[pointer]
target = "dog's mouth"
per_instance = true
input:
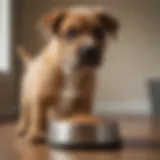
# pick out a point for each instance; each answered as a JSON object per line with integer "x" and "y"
{"x": 90, "y": 56}
{"x": 93, "y": 61}
{"x": 90, "y": 64}
{"x": 90, "y": 61}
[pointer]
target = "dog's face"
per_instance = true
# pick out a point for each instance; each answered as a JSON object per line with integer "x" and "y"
{"x": 81, "y": 35}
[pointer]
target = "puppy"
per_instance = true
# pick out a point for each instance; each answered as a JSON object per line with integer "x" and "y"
{"x": 63, "y": 75}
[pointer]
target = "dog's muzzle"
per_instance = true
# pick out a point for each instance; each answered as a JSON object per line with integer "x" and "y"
{"x": 90, "y": 55}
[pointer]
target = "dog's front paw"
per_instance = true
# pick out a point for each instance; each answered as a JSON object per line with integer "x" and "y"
{"x": 35, "y": 137}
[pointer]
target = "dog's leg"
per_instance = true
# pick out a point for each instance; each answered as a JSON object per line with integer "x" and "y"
{"x": 83, "y": 106}
{"x": 37, "y": 130}
{"x": 84, "y": 102}
{"x": 24, "y": 120}
{"x": 87, "y": 105}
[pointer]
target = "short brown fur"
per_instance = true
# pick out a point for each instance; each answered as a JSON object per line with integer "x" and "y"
{"x": 49, "y": 79}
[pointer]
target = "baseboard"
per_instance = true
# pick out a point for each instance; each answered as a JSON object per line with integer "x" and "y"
{"x": 132, "y": 107}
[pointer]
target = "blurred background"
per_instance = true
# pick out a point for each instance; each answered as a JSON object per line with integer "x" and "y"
{"x": 128, "y": 84}
{"x": 129, "y": 81}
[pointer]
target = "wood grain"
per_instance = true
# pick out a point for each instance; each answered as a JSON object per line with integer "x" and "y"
{"x": 12, "y": 148}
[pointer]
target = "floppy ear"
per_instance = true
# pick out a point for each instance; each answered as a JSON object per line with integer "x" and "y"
{"x": 50, "y": 23}
{"x": 110, "y": 24}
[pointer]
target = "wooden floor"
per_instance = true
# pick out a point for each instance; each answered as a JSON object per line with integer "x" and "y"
{"x": 132, "y": 129}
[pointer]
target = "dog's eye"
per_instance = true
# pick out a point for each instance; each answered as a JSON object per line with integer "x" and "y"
{"x": 98, "y": 32}
{"x": 72, "y": 33}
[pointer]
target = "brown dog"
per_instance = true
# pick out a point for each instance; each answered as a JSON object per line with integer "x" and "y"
{"x": 63, "y": 74}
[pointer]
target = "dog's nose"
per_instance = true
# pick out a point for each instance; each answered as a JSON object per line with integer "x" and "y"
{"x": 90, "y": 55}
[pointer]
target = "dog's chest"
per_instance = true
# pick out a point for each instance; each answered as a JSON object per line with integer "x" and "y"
{"x": 69, "y": 92}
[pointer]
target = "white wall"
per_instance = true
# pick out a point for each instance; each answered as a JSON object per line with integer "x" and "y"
{"x": 133, "y": 60}
{"x": 5, "y": 35}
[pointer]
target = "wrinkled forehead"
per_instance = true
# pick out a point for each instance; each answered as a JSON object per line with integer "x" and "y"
{"x": 80, "y": 19}
{"x": 85, "y": 10}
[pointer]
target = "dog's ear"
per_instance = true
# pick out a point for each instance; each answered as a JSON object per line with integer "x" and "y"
{"x": 51, "y": 22}
{"x": 110, "y": 23}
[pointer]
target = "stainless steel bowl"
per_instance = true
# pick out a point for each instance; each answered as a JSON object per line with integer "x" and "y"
{"x": 69, "y": 134}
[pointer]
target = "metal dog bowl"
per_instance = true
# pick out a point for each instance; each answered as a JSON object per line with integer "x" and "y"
{"x": 83, "y": 134}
